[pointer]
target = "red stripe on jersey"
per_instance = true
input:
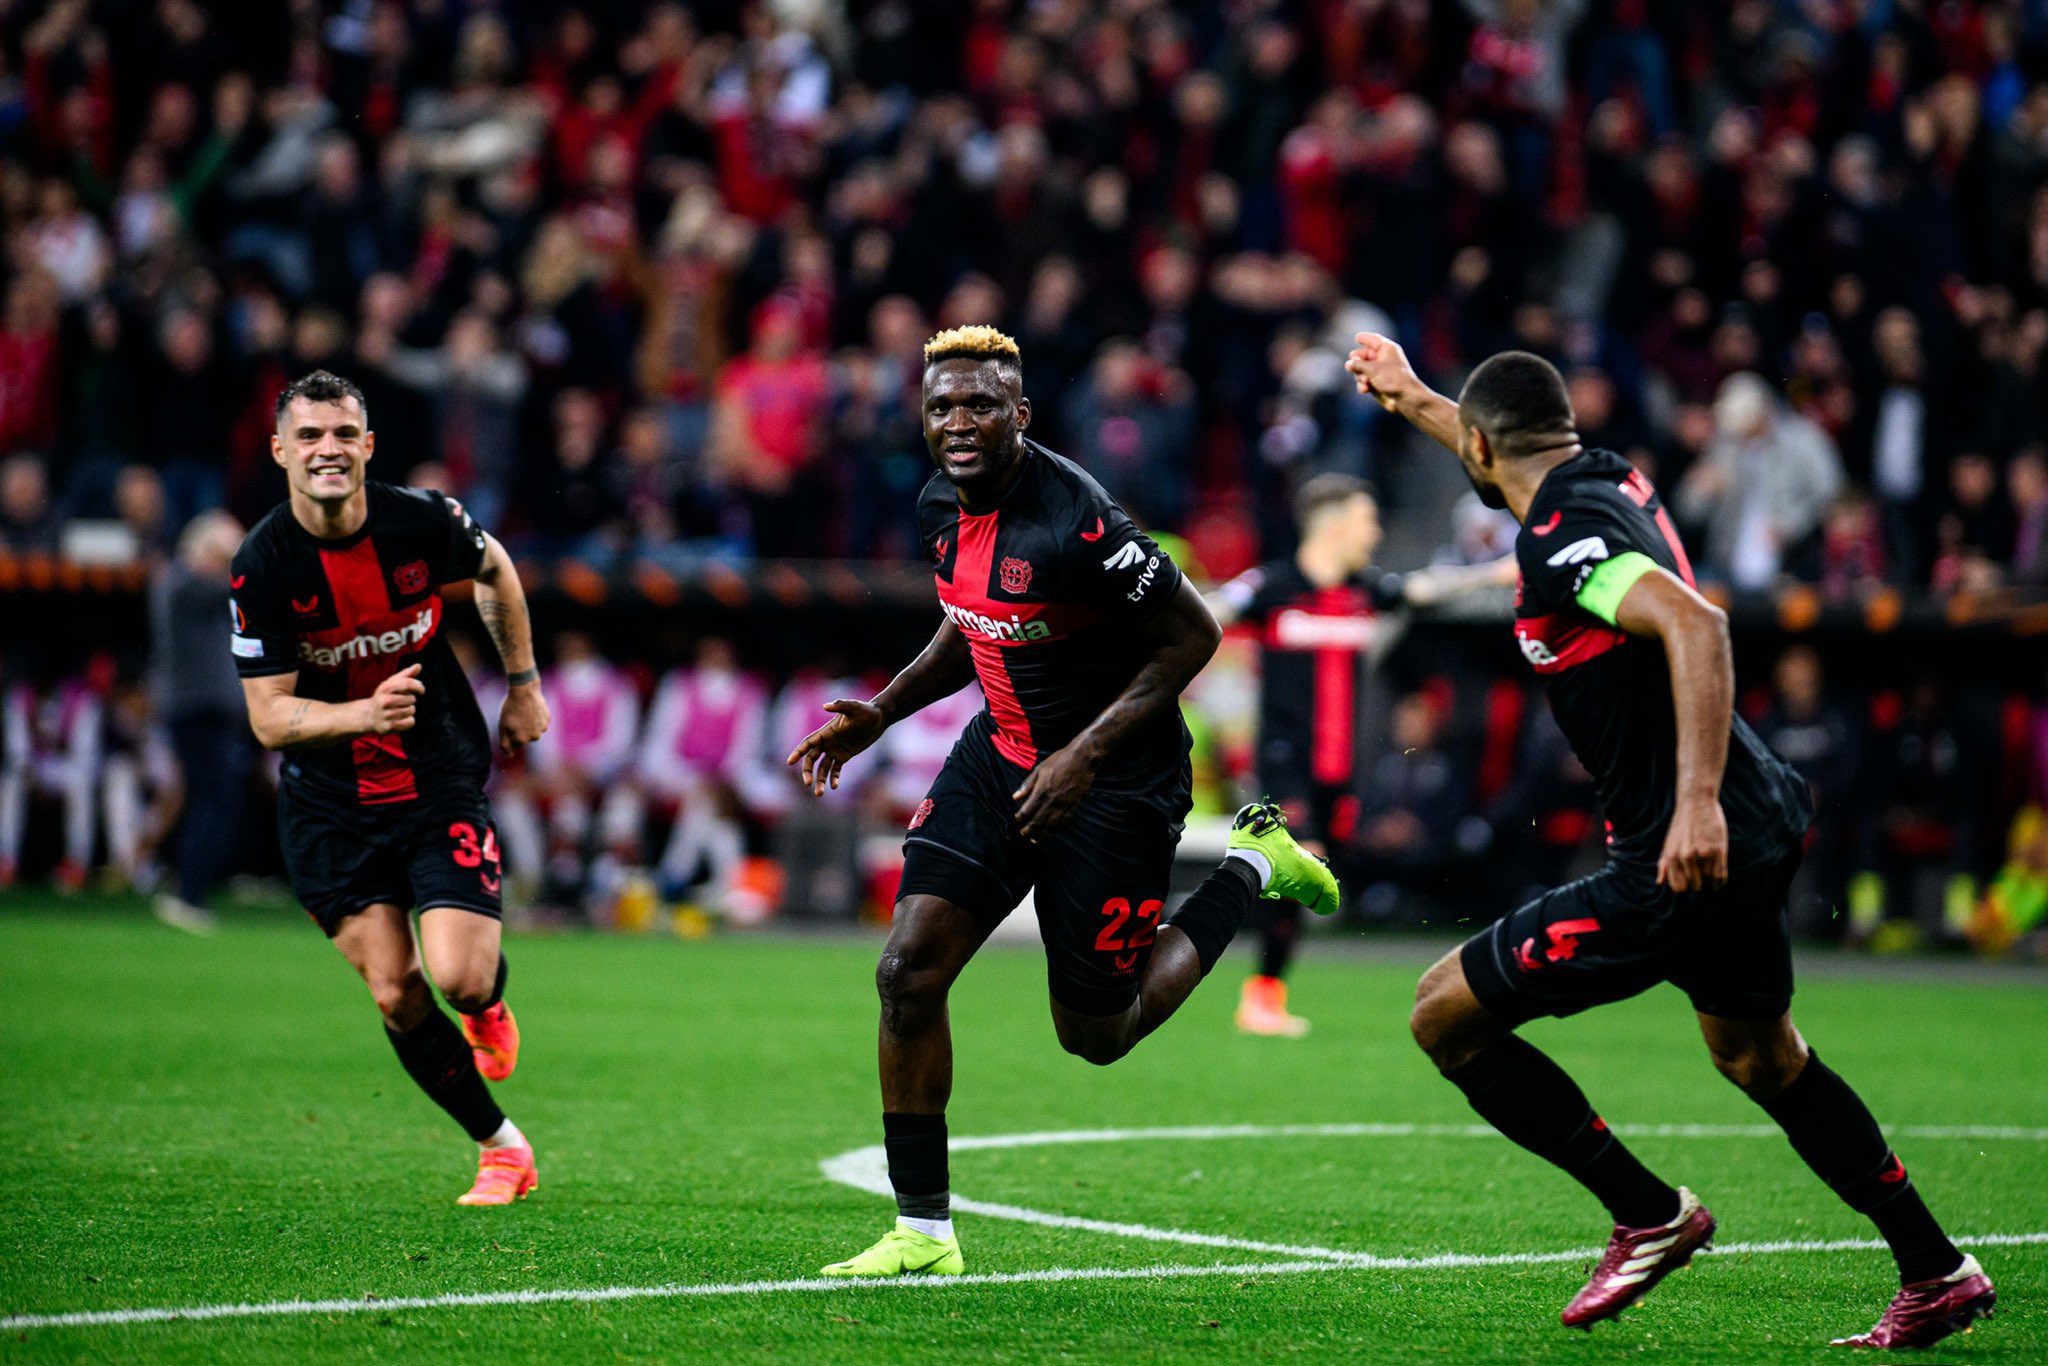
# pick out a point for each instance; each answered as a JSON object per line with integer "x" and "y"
{"x": 1336, "y": 692}
{"x": 1677, "y": 546}
{"x": 1558, "y": 642}
{"x": 973, "y": 561}
{"x": 363, "y": 608}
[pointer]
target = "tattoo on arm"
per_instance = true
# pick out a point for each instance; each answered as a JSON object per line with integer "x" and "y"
{"x": 497, "y": 618}
{"x": 297, "y": 724}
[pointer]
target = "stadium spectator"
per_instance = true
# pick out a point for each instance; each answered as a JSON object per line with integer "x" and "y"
{"x": 2027, "y": 483}
{"x": 28, "y": 520}
{"x": 1761, "y": 488}
{"x": 1818, "y": 739}
{"x": 197, "y": 699}
{"x": 1409, "y": 808}
{"x": 765, "y": 431}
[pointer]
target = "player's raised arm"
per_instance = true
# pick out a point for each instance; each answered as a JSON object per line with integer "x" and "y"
{"x": 501, "y": 602}
{"x": 1381, "y": 370}
{"x": 1443, "y": 582}
{"x": 941, "y": 669}
{"x": 283, "y": 720}
{"x": 1649, "y": 601}
{"x": 1182, "y": 637}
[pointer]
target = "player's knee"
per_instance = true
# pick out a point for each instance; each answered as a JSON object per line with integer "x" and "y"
{"x": 469, "y": 990}
{"x": 913, "y": 994}
{"x": 1440, "y": 1028}
{"x": 1100, "y": 1047}
{"x": 402, "y": 997}
{"x": 1762, "y": 1068}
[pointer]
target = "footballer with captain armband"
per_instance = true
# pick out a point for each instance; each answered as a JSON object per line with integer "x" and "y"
{"x": 1706, "y": 828}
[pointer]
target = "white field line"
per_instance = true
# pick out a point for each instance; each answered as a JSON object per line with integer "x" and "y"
{"x": 818, "y": 1284}
{"x": 866, "y": 1169}
{"x": 1198, "y": 1132}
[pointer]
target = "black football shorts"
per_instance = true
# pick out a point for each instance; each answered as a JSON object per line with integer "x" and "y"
{"x": 440, "y": 849}
{"x": 1100, "y": 880}
{"x": 1617, "y": 933}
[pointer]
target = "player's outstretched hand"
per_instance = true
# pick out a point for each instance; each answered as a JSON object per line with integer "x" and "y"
{"x": 1695, "y": 856}
{"x": 523, "y": 718}
{"x": 1381, "y": 370}
{"x": 853, "y": 727}
{"x": 393, "y": 705}
{"x": 1052, "y": 791}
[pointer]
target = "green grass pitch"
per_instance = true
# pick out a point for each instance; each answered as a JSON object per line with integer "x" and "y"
{"x": 211, "y": 1122}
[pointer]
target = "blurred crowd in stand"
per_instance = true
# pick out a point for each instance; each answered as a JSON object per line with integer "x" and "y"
{"x": 651, "y": 278}
{"x": 649, "y": 281}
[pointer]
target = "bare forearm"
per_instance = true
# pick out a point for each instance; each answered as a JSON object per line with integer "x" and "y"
{"x": 501, "y": 603}
{"x": 1187, "y": 636}
{"x": 941, "y": 669}
{"x": 1703, "y": 698}
{"x": 1433, "y": 414}
{"x": 304, "y": 723}
{"x": 1152, "y": 693}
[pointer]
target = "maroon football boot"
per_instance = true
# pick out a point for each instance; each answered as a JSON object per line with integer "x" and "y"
{"x": 1638, "y": 1258}
{"x": 1928, "y": 1311}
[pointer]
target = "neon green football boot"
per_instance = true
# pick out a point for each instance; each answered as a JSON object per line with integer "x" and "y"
{"x": 1298, "y": 875}
{"x": 903, "y": 1252}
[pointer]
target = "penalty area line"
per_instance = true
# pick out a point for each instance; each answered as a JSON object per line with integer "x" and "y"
{"x": 819, "y": 1284}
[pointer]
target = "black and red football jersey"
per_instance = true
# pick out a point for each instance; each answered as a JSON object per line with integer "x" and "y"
{"x": 345, "y": 615}
{"x": 1048, "y": 587}
{"x": 1316, "y": 644}
{"x": 1611, "y": 693}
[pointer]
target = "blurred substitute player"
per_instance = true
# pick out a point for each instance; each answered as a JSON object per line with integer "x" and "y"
{"x": 1073, "y": 782}
{"x": 702, "y": 745}
{"x": 338, "y": 634}
{"x": 584, "y": 769}
{"x": 1319, "y": 616}
{"x": 1705, "y": 829}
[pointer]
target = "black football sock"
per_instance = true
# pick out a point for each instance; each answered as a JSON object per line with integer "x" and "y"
{"x": 1518, "y": 1090}
{"x": 1214, "y": 911}
{"x": 498, "y": 987}
{"x": 440, "y": 1060}
{"x": 916, "y": 1145}
{"x": 1834, "y": 1132}
{"x": 1283, "y": 932}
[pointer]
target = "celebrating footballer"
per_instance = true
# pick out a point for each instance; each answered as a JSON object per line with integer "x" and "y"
{"x": 338, "y": 619}
{"x": 1072, "y": 784}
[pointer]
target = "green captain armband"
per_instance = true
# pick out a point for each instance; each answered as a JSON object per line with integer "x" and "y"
{"x": 1608, "y": 584}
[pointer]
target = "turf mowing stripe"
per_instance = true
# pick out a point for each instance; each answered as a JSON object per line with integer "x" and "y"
{"x": 515, "y": 1298}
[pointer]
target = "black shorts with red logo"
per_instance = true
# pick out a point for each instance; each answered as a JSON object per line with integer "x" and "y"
{"x": 1099, "y": 881}
{"x": 1617, "y": 933}
{"x": 440, "y": 849}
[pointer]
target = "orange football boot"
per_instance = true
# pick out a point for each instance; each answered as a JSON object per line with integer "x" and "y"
{"x": 495, "y": 1037}
{"x": 502, "y": 1176}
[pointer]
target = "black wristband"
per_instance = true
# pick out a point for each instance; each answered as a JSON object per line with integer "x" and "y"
{"x": 522, "y": 678}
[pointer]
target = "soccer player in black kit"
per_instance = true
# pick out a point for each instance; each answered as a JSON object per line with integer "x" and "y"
{"x": 1322, "y": 617}
{"x": 1073, "y": 782}
{"x": 1706, "y": 826}
{"x": 338, "y": 622}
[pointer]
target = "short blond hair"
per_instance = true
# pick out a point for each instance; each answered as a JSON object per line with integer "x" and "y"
{"x": 979, "y": 342}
